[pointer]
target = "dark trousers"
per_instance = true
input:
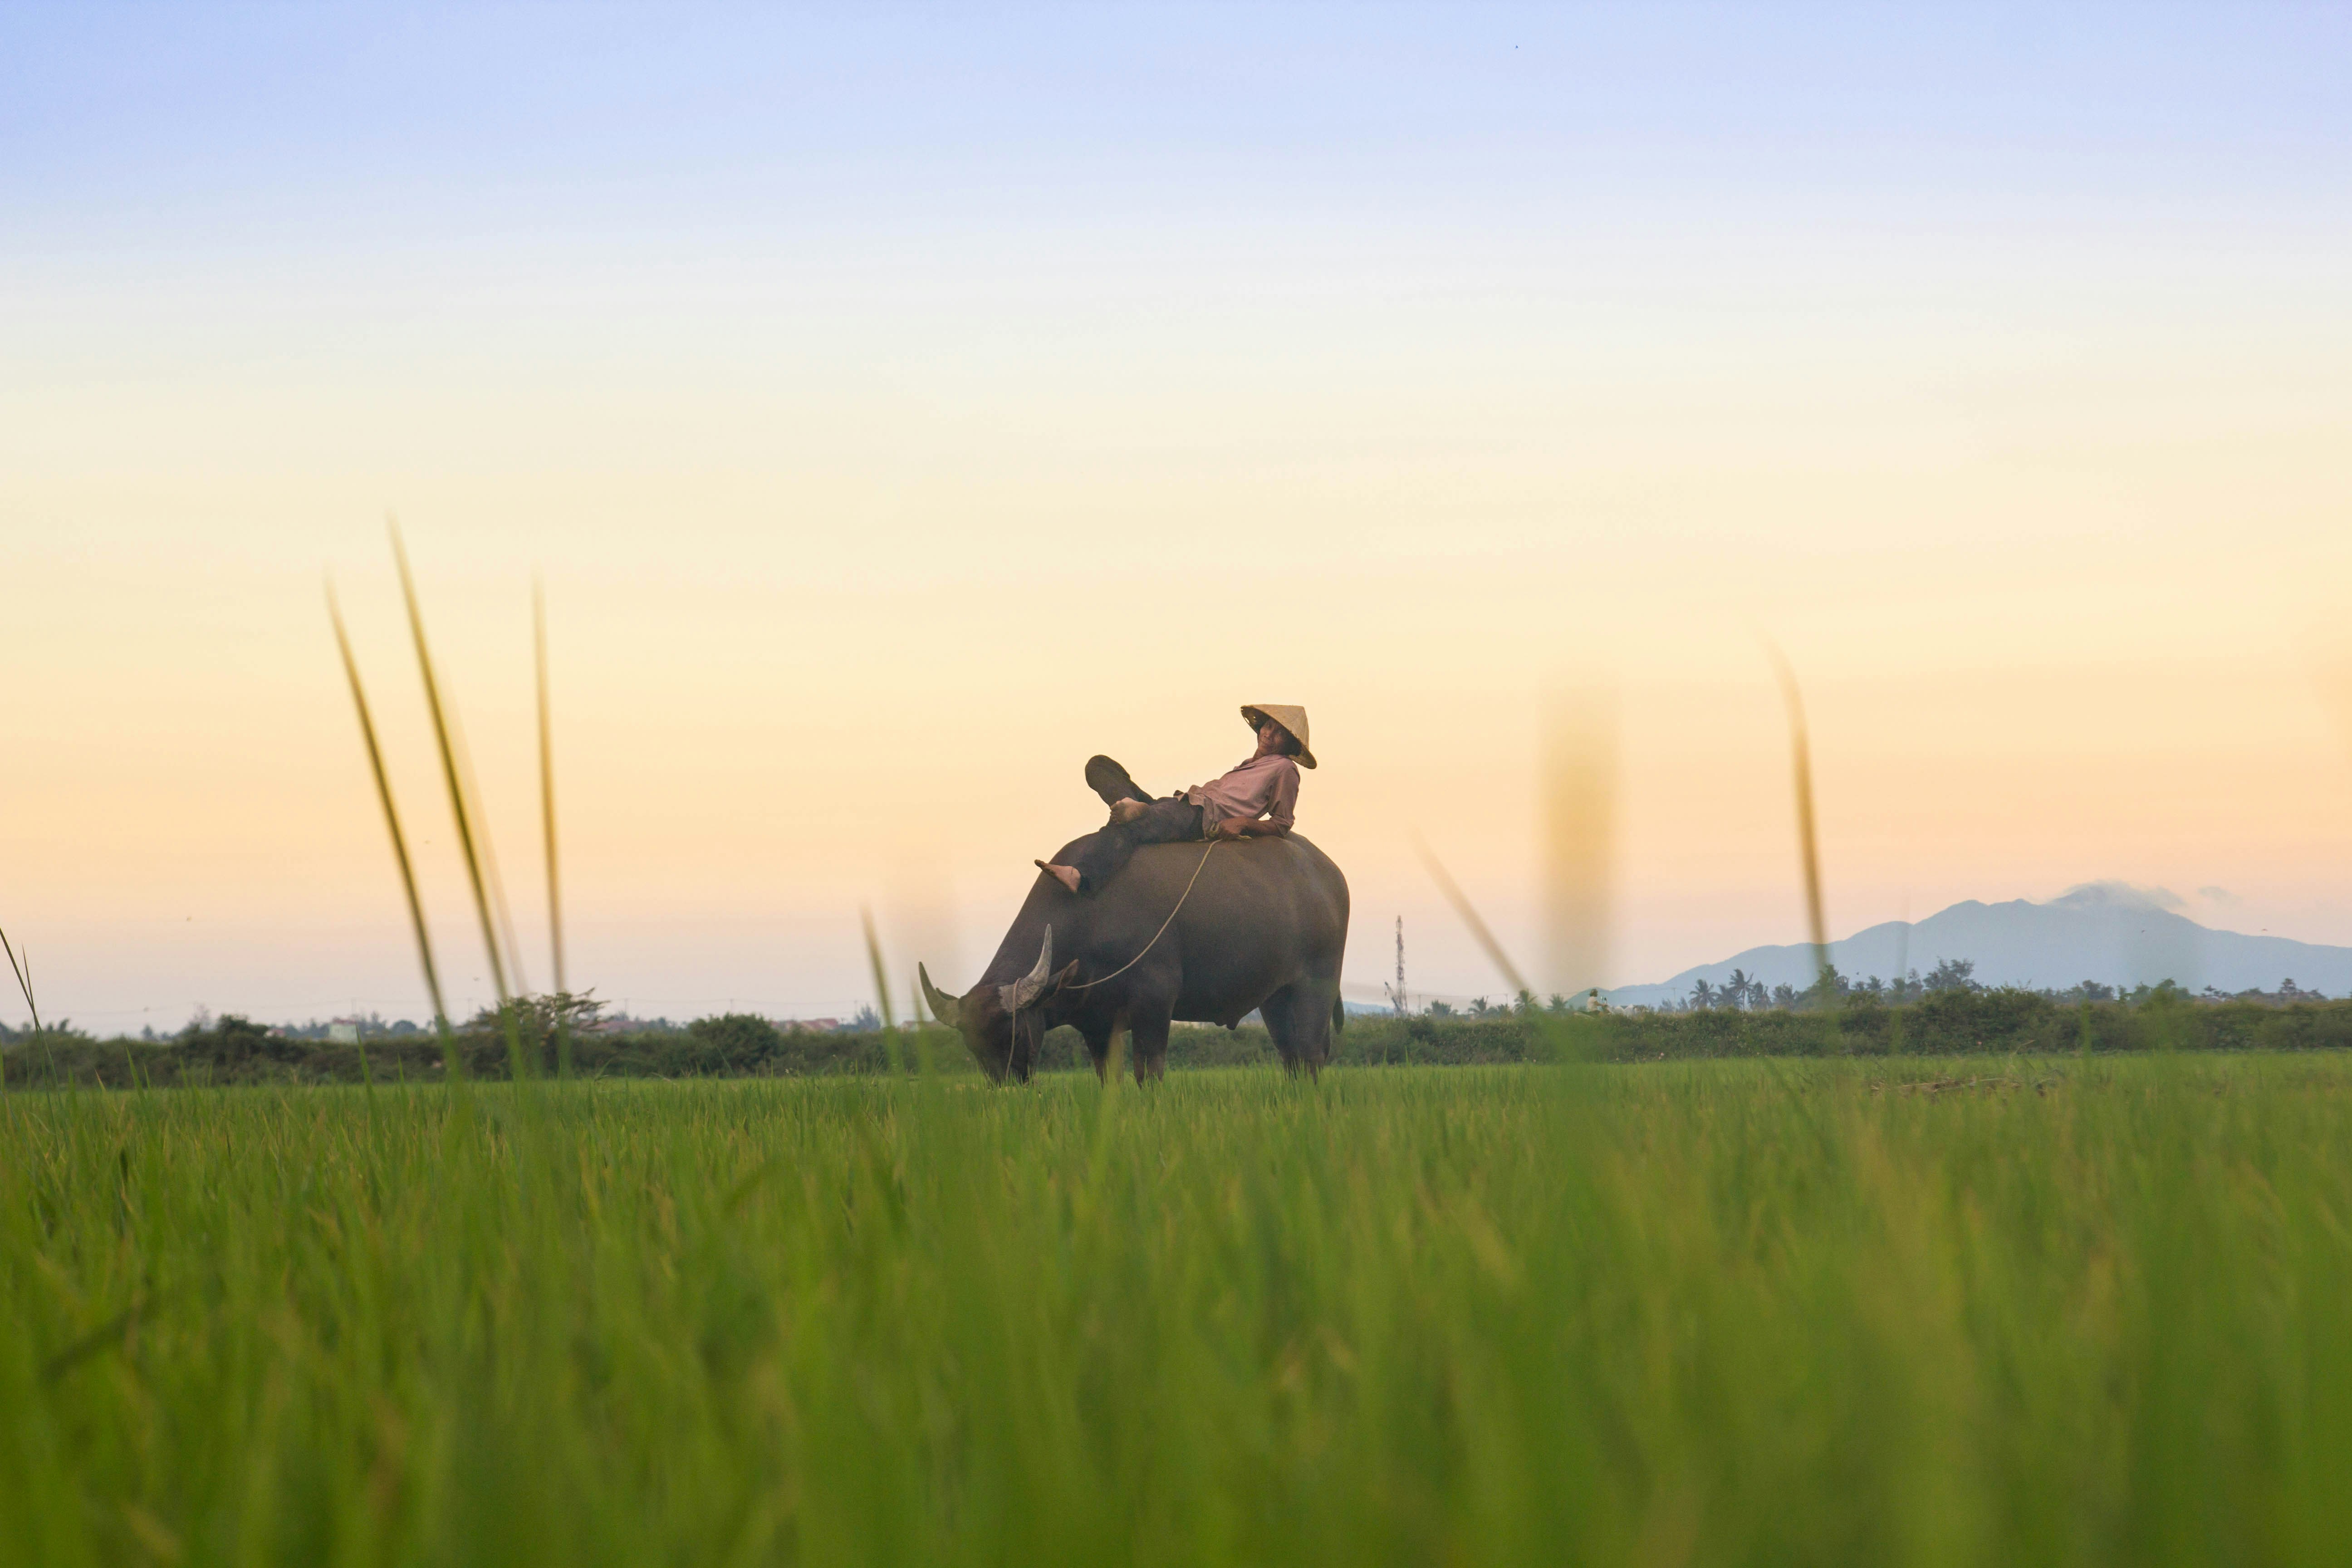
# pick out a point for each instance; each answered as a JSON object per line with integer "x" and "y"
{"x": 1098, "y": 857}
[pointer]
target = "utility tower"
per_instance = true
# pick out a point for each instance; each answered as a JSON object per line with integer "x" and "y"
{"x": 1396, "y": 992}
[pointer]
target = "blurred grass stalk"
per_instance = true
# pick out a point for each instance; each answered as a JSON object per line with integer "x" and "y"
{"x": 473, "y": 831}
{"x": 23, "y": 981}
{"x": 392, "y": 823}
{"x": 1902, "y": 970}
{"x": 1580, "y": 785}
{"x": 509, "y": 943}
{"x": 1808, "y": 847}
{"x": 450, "y": 772}
{"x": 882, "y": 992}
{"x": 1471, "y": 918}
{"x": 547, "y": 829}
{"x": 1569, "y": 1035}
{"x": 23, "y": 970}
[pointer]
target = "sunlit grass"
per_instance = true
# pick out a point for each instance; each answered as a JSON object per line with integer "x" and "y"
{"x": 2055, "y": 1310}
{"x": 406, "y": 866}
{"x": 465, "y": 809}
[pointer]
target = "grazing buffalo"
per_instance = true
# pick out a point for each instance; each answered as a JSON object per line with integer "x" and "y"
{"x": 1263, "y": 926}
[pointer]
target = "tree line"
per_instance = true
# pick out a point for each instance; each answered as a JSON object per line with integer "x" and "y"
{"x": 1740, "y": 992}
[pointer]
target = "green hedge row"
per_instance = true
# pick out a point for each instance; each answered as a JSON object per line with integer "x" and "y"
{"x": 1951, "y": 1023}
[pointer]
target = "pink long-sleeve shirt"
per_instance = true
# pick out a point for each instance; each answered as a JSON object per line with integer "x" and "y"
{"x": 1262, "y": 786}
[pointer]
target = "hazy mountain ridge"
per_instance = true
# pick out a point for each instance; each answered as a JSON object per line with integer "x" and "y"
{"x": 2102, "y": 931}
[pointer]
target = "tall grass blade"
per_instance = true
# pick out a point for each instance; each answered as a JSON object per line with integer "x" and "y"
{"x": 390, "y": 814}
{"x": 1902, "y": 974}
{"x": 547, "y": 787}
{"x": 547, "y": 830}
{"x": 23, "y": 981}
{"x": 1903, "y": 946}
{"x": 1809, "y": 850}
{"x": 1570, "y": 1036}
{"x": 509, "y": 945}
{"x": 21, "y": 968}
{"x": 1579, "y": 781}
{"x": 1462, "y": 906}
{"x": 451, "y": 773}
{"x": 882, "y": 992}
{"x": 881, "y": 976}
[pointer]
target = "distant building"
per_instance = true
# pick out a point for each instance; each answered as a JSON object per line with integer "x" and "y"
{"x": 345, "y": 1032}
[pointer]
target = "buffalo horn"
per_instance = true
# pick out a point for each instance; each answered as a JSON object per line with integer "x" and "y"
{"x": 1030, "y": 986}
{"x": 944, "y": 1007}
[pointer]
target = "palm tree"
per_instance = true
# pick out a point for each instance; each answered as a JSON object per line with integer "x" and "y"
{"x": 1736, "y": 989}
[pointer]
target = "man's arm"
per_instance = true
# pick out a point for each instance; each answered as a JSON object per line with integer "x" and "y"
{"x": 1274, "y": 818}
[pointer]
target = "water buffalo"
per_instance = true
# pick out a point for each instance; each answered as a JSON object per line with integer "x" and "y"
{"x": 1263, "y": 926}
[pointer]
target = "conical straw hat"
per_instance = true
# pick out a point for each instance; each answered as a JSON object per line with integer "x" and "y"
{"x": 1291, "y": 719}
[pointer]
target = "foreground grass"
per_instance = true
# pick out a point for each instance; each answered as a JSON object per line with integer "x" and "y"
{"x": 2081, "y": 1311}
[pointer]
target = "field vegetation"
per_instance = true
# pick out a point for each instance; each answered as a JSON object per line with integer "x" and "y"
{"x": 1996, "y": 1310}
{"x": 234, "y": 1050}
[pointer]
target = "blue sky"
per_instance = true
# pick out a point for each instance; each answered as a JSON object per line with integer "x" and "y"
{"x": 335, "y": 127}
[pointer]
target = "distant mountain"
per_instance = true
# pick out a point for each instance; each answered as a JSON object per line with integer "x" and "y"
{"x": 2105, "y": 932}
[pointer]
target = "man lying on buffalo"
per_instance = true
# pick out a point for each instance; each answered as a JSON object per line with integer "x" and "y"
{"x": 1256, "y": 800}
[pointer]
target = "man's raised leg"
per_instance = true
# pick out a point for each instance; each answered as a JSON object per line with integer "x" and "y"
{"x": 1110, "y": 781}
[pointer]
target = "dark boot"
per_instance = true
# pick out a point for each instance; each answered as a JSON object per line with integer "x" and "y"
{"x": 1108, "y": 780}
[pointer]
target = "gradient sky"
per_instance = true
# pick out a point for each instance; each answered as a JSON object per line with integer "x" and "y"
{"x": 900, "y": 404}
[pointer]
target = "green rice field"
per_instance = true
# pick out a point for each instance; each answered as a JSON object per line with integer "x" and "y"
{"x": 1980, "y": 1310}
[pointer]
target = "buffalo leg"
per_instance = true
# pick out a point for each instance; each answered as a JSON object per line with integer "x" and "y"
{"x": 1311, "y": 1010}
{"x": 1276, "y": 1010}
{"x": 1146, "y": 1040}
{"x": 1099, "y": 1040}
{"x": 1298, "y": 1016}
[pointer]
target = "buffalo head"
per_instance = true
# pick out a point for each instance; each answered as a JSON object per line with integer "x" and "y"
{"x": 1001, "y": 1024}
